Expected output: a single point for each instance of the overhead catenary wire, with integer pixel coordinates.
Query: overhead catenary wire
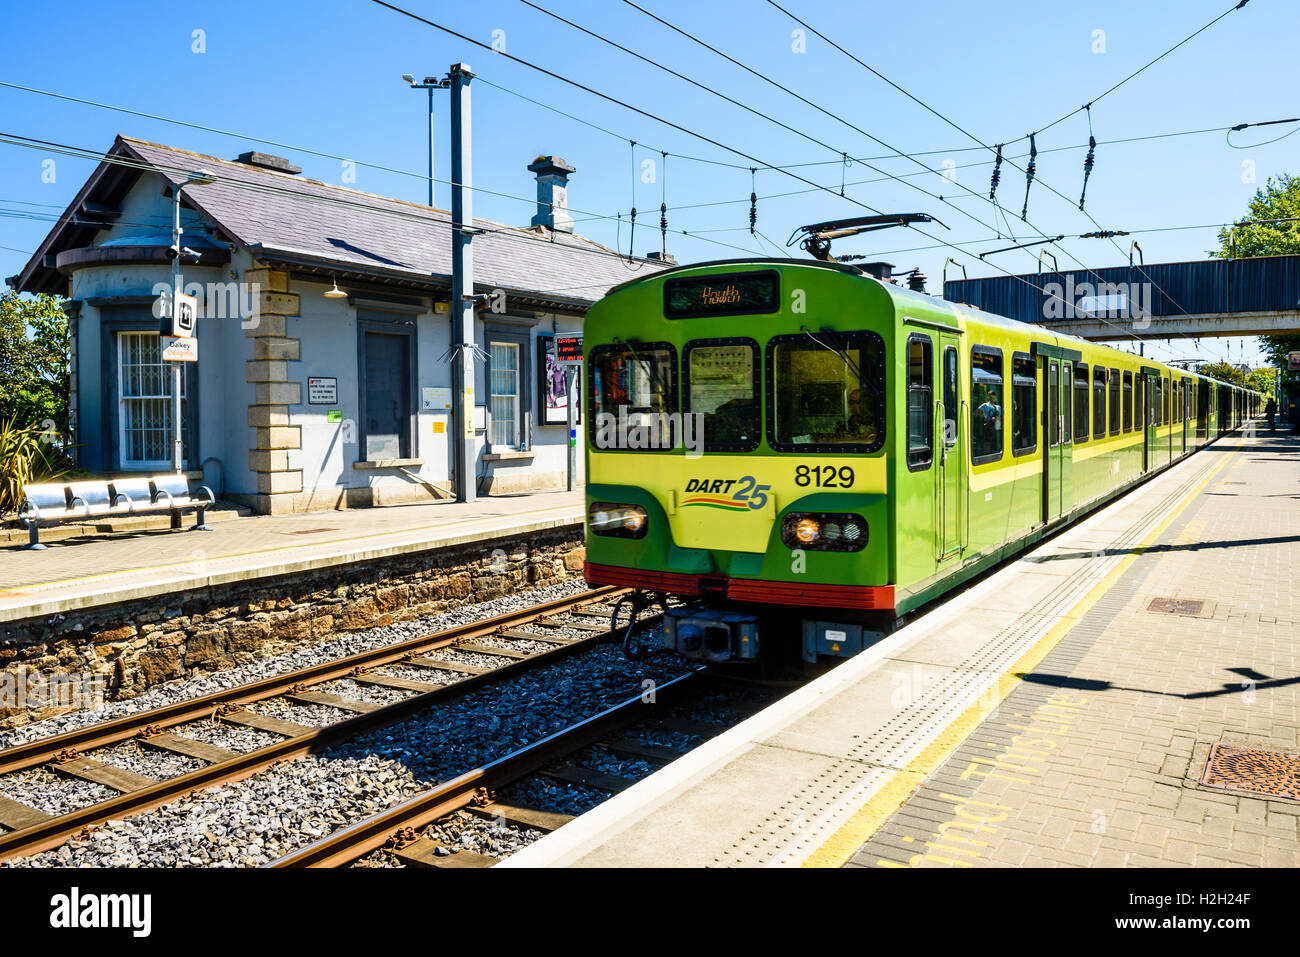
(677, 126)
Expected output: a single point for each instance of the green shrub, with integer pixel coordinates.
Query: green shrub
(25, 458)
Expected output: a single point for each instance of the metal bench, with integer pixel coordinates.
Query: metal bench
(79, 501)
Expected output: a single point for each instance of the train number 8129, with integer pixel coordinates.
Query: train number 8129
(823, 476)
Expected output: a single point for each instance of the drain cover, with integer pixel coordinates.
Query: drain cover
(1176, 606)
(1253, 769)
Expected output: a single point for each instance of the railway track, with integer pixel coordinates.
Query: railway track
(563, 626)
(396, 828)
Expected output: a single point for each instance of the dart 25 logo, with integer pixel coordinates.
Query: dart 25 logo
(732, 495)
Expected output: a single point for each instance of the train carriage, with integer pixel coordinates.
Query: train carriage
(811, 453)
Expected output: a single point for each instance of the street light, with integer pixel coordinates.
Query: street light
(430, 83)
(195, 178)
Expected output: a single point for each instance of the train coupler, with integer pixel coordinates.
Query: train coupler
(711, 634)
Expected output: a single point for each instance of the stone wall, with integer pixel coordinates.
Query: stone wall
(55, 663)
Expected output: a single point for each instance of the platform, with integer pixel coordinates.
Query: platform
(85, 573)
(1059, 713)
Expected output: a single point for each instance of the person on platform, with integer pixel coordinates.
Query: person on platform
(1270, 410)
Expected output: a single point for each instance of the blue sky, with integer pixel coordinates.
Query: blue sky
(326, 76)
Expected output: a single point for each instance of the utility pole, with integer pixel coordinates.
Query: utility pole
(198, 178)
(462, 285)
(430, 83)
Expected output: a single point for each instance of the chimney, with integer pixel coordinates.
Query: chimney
(552, 193)
(268, 161)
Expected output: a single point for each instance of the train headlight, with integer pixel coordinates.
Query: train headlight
(619, 521)
(807, 530)
(824, 531)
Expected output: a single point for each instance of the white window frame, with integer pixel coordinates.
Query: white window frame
(123, 399)
(515, 396)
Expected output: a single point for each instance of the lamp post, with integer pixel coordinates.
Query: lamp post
(430, 83)
(197, 178)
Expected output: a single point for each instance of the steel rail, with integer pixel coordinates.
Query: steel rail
(356, 840)
(53, 832)
(42, 750)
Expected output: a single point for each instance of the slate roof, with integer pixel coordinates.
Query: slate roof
(317, 227)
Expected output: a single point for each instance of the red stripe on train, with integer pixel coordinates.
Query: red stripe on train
(870, 597)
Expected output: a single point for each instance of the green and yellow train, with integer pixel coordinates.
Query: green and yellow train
(796, 440)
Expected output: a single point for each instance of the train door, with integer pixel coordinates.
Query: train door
(1056, 433)
(952, 461)
(1148, 422)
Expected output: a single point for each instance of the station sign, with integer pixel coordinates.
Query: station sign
(184, 315)
(178, 349)
(322, 390)
(568, 350)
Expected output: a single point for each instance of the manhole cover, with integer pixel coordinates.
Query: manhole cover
(1176, 606)
(1253, 769)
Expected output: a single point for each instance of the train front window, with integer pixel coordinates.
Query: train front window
(630, 384)
(826, 392)
(720, 383)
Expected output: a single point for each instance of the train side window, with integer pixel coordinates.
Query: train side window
(1113, 378)
(920, 402)
(720, 385)
(1053, 406)
(1080, 402)
(951, 373)
(1067, 395)
(1024, 404)
(1098, 402)
(1128, 401)
(1159, 403)
(988, 400)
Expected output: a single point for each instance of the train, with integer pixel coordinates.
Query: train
(807, 455)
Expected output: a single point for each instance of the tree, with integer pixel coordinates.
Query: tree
(1224, 372)
(1262, 380)
(34, 360)
(1276, 200)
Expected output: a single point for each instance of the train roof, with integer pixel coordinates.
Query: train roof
(900, 293)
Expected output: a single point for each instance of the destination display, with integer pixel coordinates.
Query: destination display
(723, 295)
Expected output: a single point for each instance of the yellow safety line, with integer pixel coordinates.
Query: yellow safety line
(26, 589)
(868, 819)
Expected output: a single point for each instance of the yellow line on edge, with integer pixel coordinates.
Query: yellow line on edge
(868, 819)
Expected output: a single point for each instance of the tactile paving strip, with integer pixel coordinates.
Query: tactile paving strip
(1256, 770)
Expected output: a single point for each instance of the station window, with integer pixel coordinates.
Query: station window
(1098, 402)
(1114, 401)
(920, 402)
(1128, 401)
(987, 402)
(631, 384)
(720, 386)
(1080, 402)
(1024, 404)
(826, 392)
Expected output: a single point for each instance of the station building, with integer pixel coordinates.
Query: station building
(324, 377)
